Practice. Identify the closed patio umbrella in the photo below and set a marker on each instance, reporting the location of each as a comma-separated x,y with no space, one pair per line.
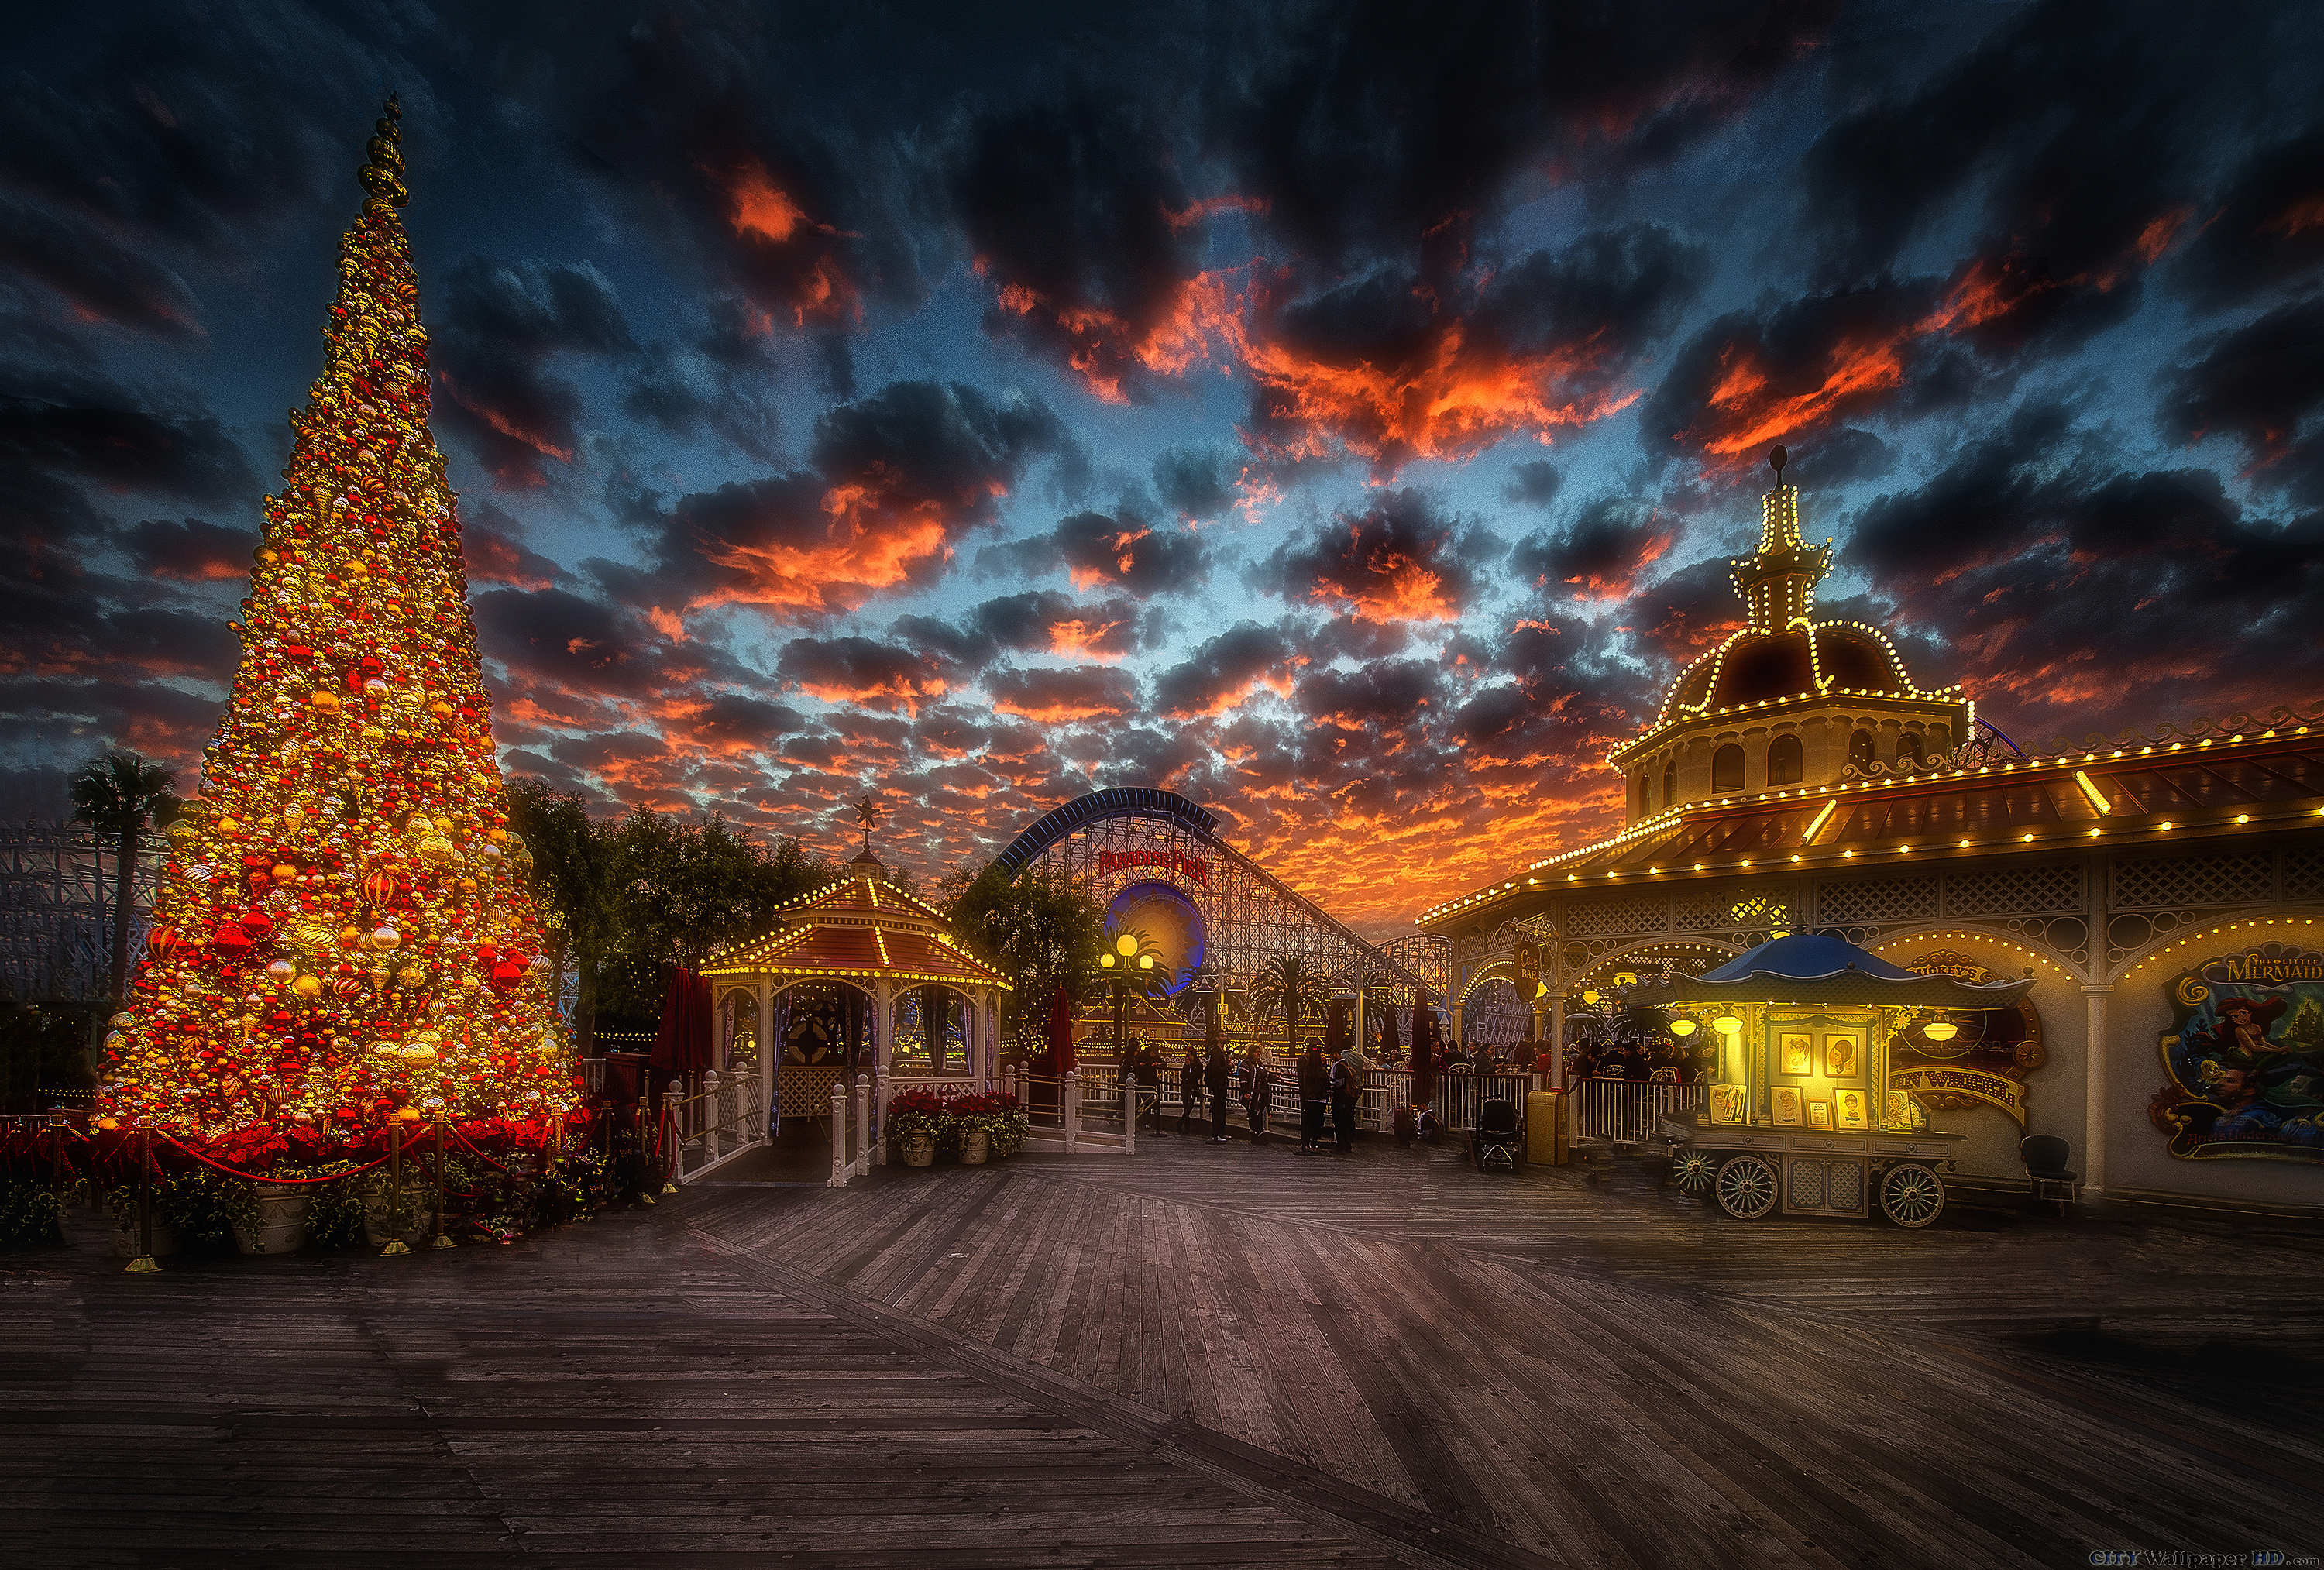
1423,1049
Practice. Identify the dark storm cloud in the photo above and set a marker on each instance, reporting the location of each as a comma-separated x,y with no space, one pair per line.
1197,483
1221,671
1794,369
2079,129
1369,126
860,671
190,550
93,274
1392,366
1534,484
1599,554
892,483
1123,552
1398,560
2262,384
1069,208
2268,231
783,198
1063,697
502,325
572,643
2076,588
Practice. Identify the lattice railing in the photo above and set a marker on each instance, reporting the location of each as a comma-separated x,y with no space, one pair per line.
2173,882
1875,900
2051,890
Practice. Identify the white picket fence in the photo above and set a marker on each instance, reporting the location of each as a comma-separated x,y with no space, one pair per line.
1627,1112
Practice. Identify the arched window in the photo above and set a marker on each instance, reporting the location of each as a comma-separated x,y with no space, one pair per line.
1727,768
1670,783
1646,795
1908,749
1859,749
1786,763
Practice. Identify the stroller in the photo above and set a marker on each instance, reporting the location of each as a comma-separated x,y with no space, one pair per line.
1496,1139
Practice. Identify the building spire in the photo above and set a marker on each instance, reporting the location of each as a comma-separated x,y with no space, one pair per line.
382,170
1779,582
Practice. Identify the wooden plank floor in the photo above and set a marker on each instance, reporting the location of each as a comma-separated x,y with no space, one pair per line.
1212,1355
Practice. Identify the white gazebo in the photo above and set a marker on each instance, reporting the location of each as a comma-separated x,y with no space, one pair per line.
870,945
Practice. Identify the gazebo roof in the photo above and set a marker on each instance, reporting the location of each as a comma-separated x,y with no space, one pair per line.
859,928
1819,967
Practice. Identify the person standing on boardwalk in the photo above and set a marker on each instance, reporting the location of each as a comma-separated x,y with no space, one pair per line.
1217,1071
1257,1088
1314,1089
1347,1086
1190,1089
1149,1077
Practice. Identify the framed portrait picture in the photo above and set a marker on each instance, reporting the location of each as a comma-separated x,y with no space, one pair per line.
1848,1107
1903,1112
1818,1112
1727,1104
1783,1100
1798,1057
1840,1056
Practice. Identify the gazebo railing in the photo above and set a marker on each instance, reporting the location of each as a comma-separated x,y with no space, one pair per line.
726,1117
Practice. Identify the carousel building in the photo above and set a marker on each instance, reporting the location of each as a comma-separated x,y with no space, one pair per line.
2164,891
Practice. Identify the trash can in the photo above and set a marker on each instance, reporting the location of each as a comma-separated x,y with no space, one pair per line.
1548,1141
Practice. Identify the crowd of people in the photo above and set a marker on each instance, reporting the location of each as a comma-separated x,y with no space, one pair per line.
1331,1089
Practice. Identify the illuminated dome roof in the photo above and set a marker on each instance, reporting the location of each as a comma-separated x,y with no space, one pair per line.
1785,653
1757,667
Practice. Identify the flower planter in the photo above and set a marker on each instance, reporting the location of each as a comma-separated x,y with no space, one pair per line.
974,1148
920,1147
281,1224
124,1241
380,1222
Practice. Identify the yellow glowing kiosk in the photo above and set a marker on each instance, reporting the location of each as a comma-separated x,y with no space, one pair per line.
1800,1114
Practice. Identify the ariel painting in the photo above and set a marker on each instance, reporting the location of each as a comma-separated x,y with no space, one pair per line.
2245,1057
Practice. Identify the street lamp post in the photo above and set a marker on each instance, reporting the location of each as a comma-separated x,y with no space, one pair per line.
1119,961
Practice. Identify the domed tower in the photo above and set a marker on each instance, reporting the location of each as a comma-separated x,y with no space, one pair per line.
1789,700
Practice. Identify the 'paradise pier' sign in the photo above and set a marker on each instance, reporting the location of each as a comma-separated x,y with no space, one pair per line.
1192,869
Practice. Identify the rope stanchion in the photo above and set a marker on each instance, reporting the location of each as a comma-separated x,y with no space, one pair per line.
395,1245
144,1263
440,1241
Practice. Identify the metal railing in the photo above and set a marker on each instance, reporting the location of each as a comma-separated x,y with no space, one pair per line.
1385,1092
1626,1111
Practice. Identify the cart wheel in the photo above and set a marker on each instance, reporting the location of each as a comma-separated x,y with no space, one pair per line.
1911,1195
1745,1188
1693,1171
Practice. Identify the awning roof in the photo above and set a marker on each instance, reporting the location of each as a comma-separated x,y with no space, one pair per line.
1819,967
860,929
2162,793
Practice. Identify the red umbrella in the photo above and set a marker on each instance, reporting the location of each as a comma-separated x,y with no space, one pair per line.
1423,1049
682,1044
1060,1054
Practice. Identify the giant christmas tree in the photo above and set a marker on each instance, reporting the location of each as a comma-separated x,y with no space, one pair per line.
343,934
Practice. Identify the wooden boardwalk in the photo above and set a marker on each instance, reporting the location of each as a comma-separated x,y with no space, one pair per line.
1204,1356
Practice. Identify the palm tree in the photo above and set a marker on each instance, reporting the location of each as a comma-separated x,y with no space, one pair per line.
1289,985
117,794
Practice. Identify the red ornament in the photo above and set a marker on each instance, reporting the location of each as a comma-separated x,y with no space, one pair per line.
506,975
161,942
380,888
230,939
258,924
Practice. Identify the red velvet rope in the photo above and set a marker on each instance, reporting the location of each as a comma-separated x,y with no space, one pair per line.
259,1178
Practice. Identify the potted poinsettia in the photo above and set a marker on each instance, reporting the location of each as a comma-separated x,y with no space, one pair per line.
914,1121
272,1216
989,1126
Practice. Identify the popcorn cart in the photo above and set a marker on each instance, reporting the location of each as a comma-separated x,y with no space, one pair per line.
1800,1114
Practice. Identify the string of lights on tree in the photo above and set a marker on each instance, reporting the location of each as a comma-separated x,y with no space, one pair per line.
343,935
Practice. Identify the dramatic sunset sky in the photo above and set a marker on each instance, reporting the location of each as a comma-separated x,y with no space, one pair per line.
1338,413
